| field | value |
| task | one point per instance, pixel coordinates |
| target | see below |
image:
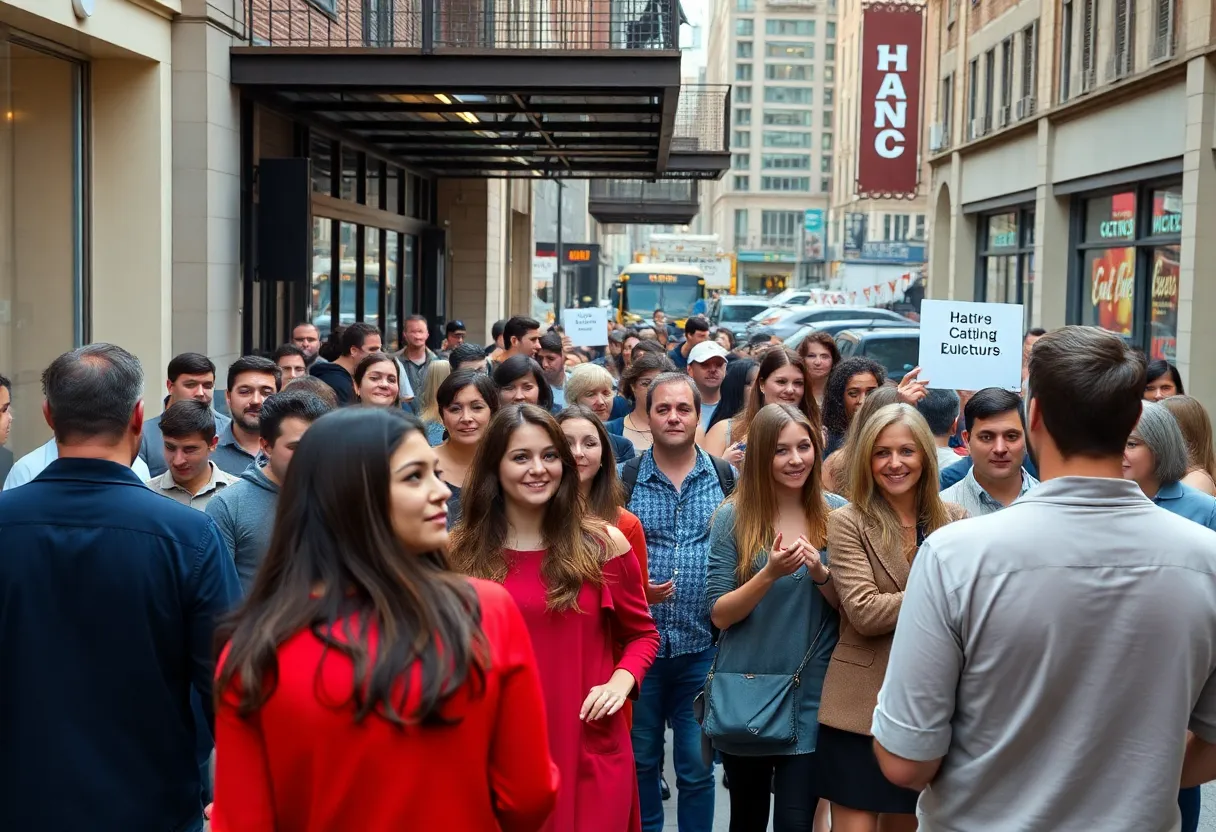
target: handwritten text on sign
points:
(586, 327)
(970, 346)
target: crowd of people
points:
(475, 588)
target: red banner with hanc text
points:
(888, 163)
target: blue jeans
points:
(1189, 804)
(666, 697)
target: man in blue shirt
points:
(696, 330)
(675, 495)
(111, 593)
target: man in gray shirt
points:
(1051, 657)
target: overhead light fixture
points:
(443, 99)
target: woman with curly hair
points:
(848, 385)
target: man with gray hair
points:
(940, 409)
(111, 597)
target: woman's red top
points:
(302, 764)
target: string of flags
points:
(878, 293)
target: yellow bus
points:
(676, 288)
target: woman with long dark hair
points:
(1162, 381)
(821, 354)
(848, 385)
(781, 379)
(767, 551)
(468, 401)
(526, 526)
(364, 685)
(520, 380)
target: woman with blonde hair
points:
(781, 379)
(770, 593)
(895, 506)
(428, 400)
(836, 467)
(527, 527)
(1196, 427)
(591, 386)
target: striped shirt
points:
(677, 524)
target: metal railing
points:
(702, 119)
(634, 191)
(465, 24)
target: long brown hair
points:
(755, 499)
(837, 468)
(931, 512)
(606, 497)
(336, 569)
(1196, 427)
(823, 339)
(774, 360)
(576, 543)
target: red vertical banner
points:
(892, 37)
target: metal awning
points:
(483, 88)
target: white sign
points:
(586, 327)
(543, 269)
(970, 346)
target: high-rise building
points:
(870, 241)
(1071, 148)
(780, 57)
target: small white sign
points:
(970, 346)
(586, 327)
(544, 269)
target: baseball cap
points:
(454, 326)
(705, 351)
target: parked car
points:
(733, 312)
(834, 328)
(895, 348)
(786, 322)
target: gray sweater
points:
(776, 635)
(244, 512)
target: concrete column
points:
(1048, 307)
(132, 217)
(206, 177)
(1196, 292)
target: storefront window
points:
(1110, 282)
(348, 252)
(371, 276)
(1163, 311)
(350, 174)
(392, 255)
(1128, 262)
(392, 190)
(375, 180)
(322, 263)
(1006, 268)
(409, 274)
(321, 153)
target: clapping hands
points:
(785, 560)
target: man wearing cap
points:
(454, 334)
(707, 366)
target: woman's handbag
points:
(753, 707)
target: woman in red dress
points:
(365, 686)
(580, 590)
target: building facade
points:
(200, 175)
(1071, 147)
(870, 242)
(780, 56)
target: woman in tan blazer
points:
(895, 505)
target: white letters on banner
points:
(970, 346)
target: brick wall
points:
(304, 23)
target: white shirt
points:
(35, 462)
